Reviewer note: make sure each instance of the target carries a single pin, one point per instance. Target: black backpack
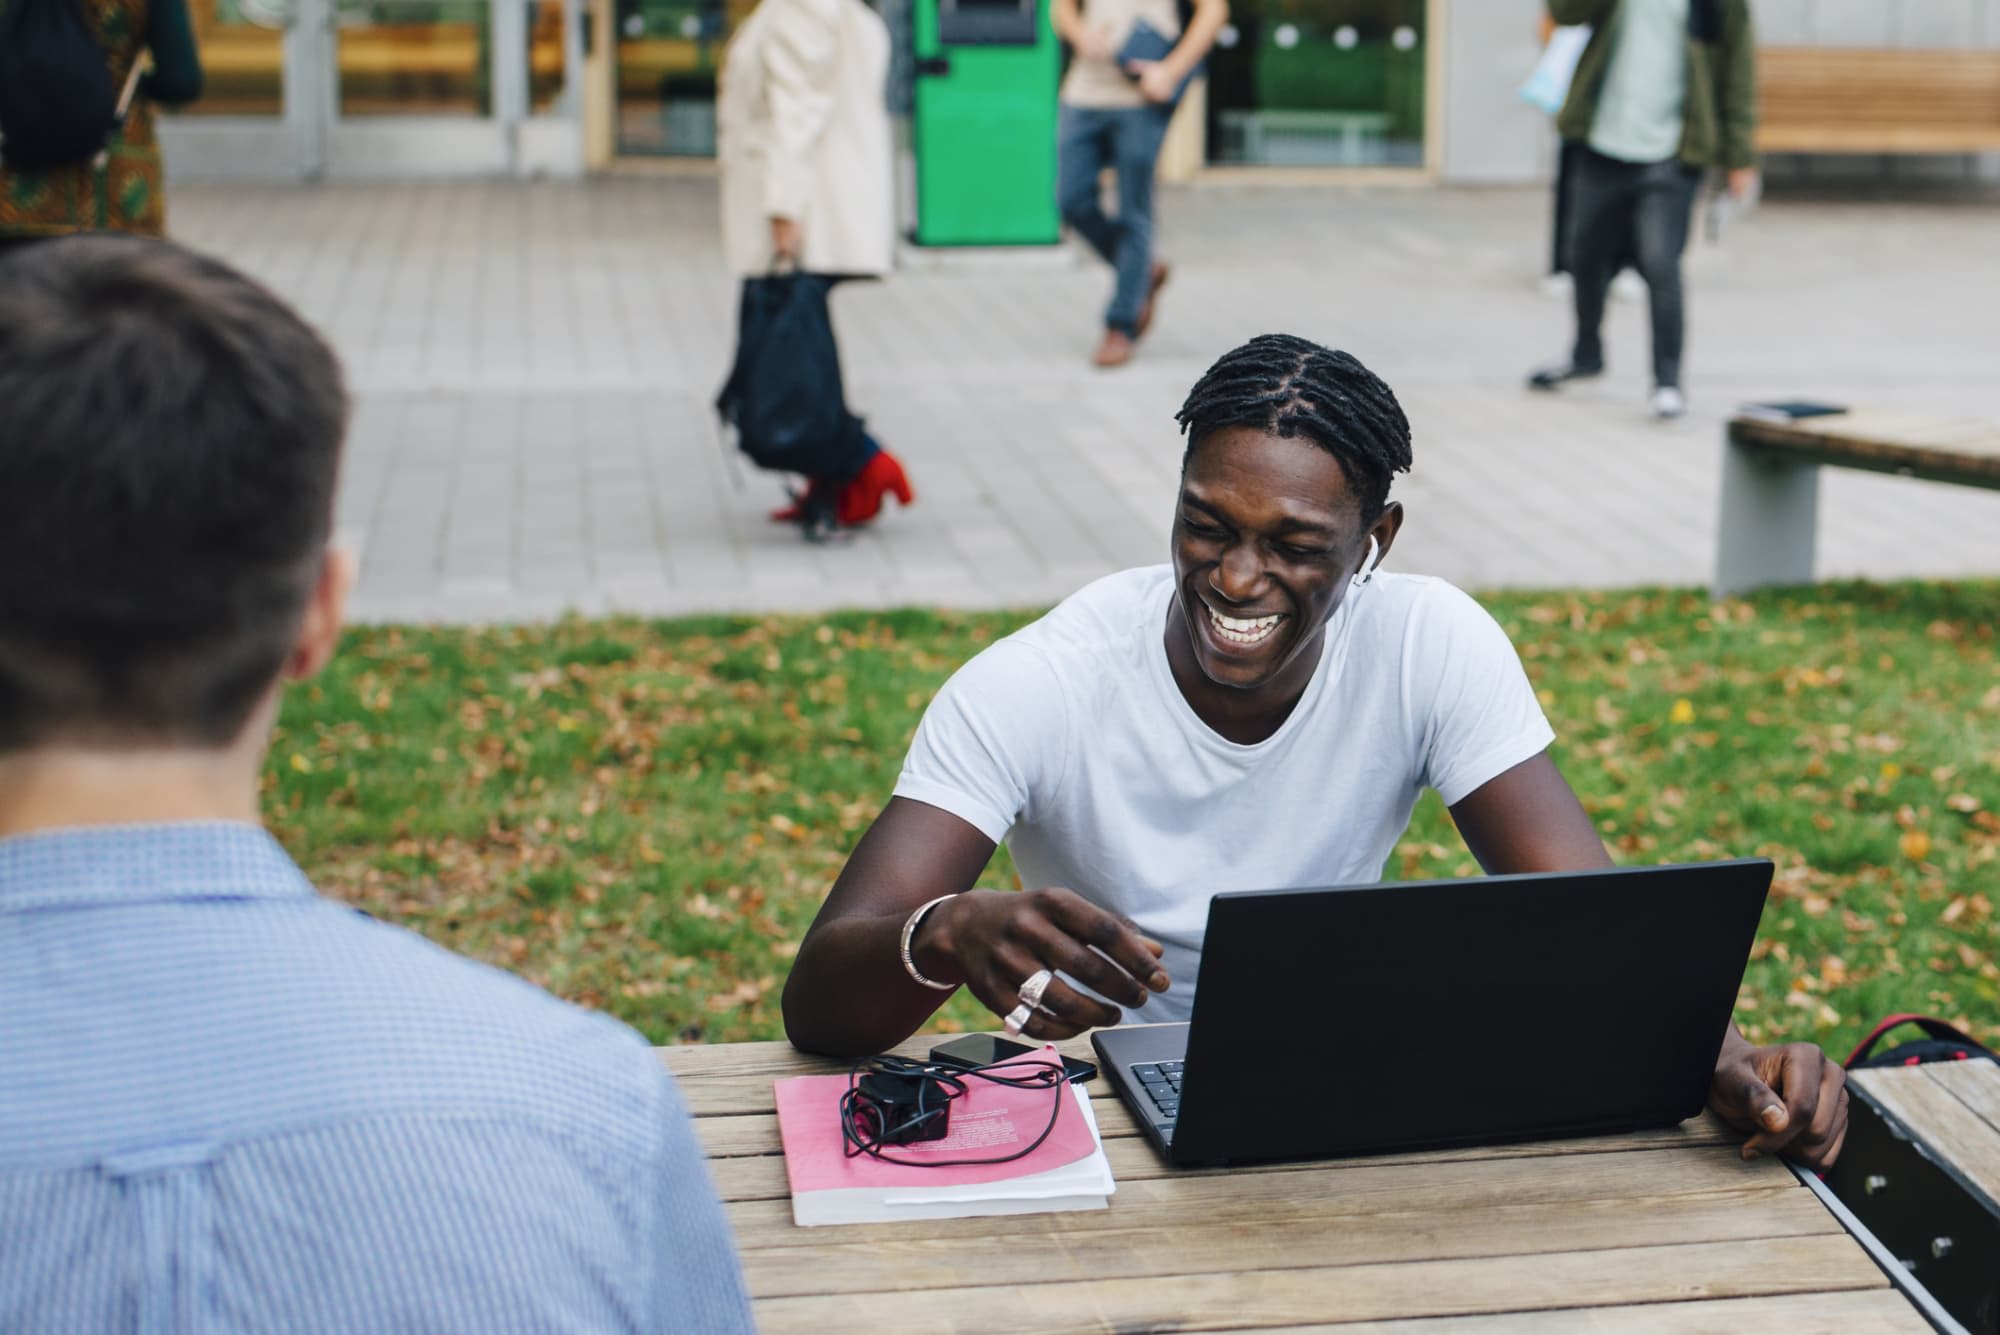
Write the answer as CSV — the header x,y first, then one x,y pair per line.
x,y
1940,1043
58,104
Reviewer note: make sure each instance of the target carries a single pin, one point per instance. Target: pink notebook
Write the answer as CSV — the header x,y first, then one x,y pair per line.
x,y
1067,1171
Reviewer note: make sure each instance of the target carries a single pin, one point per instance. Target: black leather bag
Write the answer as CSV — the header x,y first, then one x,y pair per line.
x,y
784,394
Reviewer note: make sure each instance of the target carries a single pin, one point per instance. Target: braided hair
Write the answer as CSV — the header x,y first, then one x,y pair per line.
x,y
1292,387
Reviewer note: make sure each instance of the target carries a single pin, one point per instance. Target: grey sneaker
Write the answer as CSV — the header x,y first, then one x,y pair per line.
x,y
1668,403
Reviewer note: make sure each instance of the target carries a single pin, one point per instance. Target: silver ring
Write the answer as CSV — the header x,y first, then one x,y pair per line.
x,y
1036,984
1017,1019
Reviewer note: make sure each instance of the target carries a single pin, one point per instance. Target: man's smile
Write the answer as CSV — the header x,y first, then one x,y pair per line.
x,y
1243,631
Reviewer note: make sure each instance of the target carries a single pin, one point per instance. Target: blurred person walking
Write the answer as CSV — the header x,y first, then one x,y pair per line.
x,y
1130,61
804,147
119,186
1664,90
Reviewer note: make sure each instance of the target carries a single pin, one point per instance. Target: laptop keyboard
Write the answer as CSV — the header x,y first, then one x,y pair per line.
x,y
1162,1083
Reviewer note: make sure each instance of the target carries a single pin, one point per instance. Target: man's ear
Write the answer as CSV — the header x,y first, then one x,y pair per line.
x,y
1385,528
319,631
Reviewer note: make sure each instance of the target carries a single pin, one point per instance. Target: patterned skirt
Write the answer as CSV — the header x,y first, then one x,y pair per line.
x,y
124,195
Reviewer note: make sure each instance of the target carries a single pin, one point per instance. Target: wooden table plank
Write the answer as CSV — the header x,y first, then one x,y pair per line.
x,y
1929,1106
1863,1312
1342,1189
1129,1246
1149,1178
728,1138
1266,1298
1976,1084
737,1116
731,1124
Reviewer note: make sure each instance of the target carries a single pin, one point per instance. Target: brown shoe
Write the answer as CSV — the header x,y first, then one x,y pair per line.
x,y
1115,350
1156,281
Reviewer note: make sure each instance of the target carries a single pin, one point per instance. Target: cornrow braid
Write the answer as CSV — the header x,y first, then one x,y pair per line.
x,y
1293,387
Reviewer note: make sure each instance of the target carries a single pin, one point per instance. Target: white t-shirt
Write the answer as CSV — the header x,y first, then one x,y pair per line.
x,y
1070,740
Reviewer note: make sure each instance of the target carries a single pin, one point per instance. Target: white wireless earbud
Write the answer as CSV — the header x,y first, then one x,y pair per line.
x,y
1369,565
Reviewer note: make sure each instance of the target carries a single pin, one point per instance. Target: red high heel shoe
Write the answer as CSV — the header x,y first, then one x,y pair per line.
x,y
861,499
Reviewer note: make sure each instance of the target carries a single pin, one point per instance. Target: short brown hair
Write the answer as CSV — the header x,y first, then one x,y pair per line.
x,y
170,434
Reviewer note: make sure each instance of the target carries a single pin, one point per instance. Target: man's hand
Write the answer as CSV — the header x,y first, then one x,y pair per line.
x,y
1743,184
994,941
1792,1098
788,239
1157,83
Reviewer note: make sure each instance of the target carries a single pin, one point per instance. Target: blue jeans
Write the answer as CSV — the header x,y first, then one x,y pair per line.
x,y
1091,139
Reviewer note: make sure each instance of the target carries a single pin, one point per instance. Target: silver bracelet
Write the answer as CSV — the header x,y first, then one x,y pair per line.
x,y
909,961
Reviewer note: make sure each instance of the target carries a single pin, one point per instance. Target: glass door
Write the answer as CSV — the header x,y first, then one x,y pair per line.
x,y
303,88
412,87
254,118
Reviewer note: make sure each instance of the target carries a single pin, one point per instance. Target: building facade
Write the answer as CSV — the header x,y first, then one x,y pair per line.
x,y
1297,89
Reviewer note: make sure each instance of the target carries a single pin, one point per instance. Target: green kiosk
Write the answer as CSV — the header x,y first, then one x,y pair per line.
x,y
984,123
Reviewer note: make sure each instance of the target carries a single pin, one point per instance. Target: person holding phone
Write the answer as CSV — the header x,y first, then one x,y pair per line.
x,y
1114,113
1261,713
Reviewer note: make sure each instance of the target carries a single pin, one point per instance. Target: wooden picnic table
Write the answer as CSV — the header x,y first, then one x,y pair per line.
x,y
1661,1231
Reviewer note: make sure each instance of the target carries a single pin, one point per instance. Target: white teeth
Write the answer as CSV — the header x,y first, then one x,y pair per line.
x,y
1235,630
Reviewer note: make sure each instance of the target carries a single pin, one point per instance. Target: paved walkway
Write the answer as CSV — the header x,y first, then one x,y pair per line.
x,y
533,362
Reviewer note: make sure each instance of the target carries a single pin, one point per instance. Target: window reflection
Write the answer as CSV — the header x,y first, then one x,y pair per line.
x,y
1319,83
545,54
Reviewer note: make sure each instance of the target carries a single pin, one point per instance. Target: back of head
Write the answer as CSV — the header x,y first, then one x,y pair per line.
x,y
169,437
1290,386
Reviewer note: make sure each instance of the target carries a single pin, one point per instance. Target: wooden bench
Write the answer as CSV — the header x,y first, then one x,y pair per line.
x,y
1770,481
1828,100
1921,1171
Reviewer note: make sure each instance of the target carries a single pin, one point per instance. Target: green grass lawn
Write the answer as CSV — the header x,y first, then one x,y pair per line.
x,y
644,816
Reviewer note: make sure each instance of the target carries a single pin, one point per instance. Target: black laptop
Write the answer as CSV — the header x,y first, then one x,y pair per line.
x,y
1427,1013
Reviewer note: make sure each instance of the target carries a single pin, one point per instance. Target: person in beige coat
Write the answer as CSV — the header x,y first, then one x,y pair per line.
x,y
807,165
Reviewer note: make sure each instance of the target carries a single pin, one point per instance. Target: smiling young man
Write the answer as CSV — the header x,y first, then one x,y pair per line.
x,y
1262,713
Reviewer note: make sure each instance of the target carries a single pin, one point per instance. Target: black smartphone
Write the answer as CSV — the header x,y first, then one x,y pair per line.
x,y
985,1049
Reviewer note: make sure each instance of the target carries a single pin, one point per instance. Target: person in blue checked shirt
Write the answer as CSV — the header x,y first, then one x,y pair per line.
x,y
226,1103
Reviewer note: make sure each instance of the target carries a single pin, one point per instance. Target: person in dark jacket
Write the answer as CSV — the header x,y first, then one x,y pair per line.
x,y
1665,90
127,193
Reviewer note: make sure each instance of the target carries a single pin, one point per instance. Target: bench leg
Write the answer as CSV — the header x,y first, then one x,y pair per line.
x,y
1770,508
